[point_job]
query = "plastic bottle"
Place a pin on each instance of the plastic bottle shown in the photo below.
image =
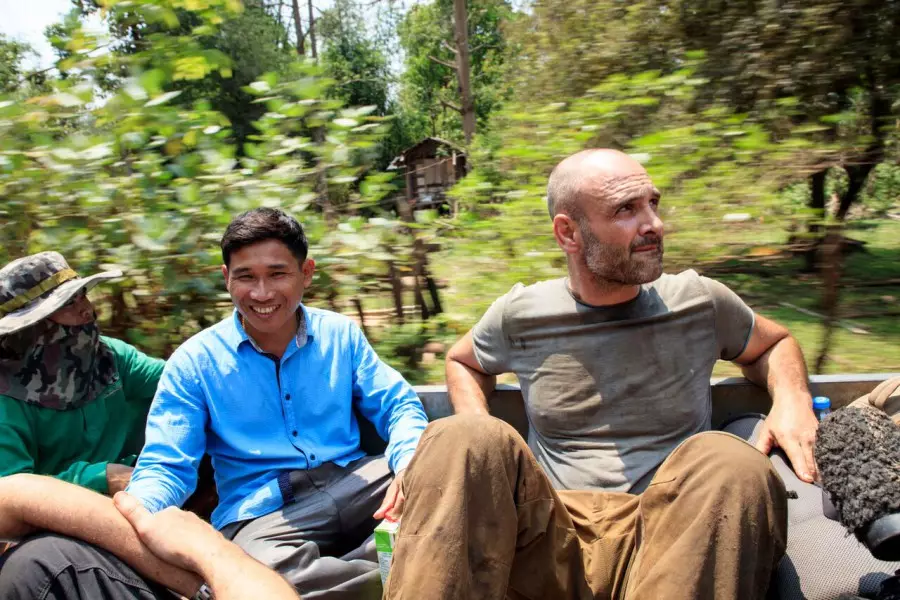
(821, 406)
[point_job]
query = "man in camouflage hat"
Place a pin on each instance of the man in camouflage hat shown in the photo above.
(73, 404)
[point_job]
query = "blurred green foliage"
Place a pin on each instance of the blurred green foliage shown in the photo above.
(130, 178)
(148, 137)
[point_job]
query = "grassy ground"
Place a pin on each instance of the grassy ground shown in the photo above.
(769, 286)
(747, 257)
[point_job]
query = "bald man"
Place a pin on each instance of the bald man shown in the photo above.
(621, 490)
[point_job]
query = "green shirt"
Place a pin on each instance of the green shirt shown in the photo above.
(76, 445)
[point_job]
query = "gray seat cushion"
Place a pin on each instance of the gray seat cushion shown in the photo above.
(822, 561)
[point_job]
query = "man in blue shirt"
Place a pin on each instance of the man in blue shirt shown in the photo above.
(272, 393)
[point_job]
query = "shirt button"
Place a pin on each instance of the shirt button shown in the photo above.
(287, 397)
(294, 433)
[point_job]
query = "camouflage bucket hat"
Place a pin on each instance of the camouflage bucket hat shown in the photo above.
(34, 287)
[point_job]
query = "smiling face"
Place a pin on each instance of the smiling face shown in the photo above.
(266, 282)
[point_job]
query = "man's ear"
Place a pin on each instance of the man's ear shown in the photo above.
(567, 234)
(225, 275)
(308, 268)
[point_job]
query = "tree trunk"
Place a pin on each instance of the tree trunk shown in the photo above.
(397, 290)
(461, 25)
(362, 316)
(879, 116)
(298, 28)
(312, 31)
(817, 203)
(858, 176)
(833, 255)
(420, 258)
(433, 292)
(420, 300)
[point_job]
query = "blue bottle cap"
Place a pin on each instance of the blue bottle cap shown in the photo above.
(820, 402)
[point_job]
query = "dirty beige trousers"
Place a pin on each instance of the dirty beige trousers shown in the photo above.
(482, 522)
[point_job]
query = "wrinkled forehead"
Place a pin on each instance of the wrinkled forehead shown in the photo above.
(614, 189)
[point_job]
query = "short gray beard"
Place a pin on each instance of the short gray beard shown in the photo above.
(610, 264)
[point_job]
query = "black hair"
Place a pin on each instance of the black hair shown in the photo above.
(261, 224)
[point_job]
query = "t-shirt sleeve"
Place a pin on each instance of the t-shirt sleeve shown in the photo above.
(490, 340)
(734, 319)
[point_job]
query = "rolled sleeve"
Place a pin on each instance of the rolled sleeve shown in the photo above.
(489, 338)
(388, 401)
(734, 319)
(166, 471)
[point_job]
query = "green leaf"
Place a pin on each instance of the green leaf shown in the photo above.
(163, 98)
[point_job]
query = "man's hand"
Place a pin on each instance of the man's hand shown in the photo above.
(178, 537)
(773, 359)
(792, 425)
(117, 478)
(392, 507)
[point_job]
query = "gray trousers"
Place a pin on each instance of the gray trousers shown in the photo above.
(322, 541)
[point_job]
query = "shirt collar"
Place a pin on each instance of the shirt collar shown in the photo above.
(238, 335)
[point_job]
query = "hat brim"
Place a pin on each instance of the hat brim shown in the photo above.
(39, 310)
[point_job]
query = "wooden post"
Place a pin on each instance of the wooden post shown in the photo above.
(832, 252)
(362, 316)
(298, 28)
(461, 26)
(397, 290)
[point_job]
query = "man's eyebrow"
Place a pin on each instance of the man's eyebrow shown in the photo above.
(638, 195)
(272, 267)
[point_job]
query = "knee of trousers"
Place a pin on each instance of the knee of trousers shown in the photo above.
(468, 434)
(26, 568)
(724, 462)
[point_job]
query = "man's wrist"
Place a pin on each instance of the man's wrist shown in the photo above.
(219, 558)
(794, 398)
(14, 494)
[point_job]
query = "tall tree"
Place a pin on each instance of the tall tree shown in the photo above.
(352, 58)
(247, 43)
(13, 76)
(298, 28)
(834, 65)
(432, 89)
(312, 30)
(565, 47)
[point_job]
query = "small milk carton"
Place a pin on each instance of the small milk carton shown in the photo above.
(385, 534)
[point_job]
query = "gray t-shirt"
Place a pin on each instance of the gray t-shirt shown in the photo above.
(610, 391)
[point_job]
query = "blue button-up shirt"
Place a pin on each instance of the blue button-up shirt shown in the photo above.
(258, 417)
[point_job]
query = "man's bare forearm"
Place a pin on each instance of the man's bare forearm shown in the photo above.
(468, 389)
(233, 575)
(782, 371)
(37, 502)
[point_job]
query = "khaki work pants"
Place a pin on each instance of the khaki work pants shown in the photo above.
(482, 522)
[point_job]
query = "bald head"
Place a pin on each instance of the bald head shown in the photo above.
(597, 174)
